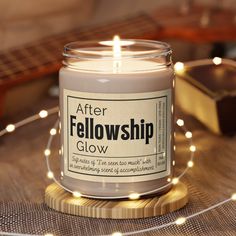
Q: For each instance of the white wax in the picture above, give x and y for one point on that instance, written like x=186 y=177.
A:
x=125 y=81
x=129 y=66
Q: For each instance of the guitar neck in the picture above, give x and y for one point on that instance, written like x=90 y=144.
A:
x=44 y=57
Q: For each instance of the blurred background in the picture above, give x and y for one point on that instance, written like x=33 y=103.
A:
x=31 y=31
x=24 y=21
x=32 y=36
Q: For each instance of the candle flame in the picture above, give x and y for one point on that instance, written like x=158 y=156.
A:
x=116 y=54
x=116 y=47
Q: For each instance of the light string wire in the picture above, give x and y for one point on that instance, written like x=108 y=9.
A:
x=179 y=221
x=133 y=195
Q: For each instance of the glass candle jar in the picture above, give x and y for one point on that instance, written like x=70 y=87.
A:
x=116 y=112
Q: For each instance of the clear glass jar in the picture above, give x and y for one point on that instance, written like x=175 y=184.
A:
x=116 y=111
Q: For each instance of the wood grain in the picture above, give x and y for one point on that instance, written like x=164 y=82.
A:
x=60 y=200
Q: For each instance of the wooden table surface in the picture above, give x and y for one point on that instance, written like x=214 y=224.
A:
x=23 y=170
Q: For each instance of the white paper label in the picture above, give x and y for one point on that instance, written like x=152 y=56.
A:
x=117 y=137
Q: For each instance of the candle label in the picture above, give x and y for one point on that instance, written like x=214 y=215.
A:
x=110 y=136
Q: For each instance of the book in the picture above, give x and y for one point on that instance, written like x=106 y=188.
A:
x=208 y=92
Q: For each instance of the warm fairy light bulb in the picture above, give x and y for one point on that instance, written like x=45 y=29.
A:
x=180 y=122
x=117 y=234
x=192 y=148
x=174 y=147
x=134 y=196
x=47 y=152
x=217 y=60
x=169 y=180
x=233 y=197
x=48 y=234
x=180 y=221
x=179 y=66
x=173 y=163
x=188 y=134
x=43 y=114
x=53 y=131
x=190 y=164
x=50 y=174
x=10 y=128
x=175 y=181
x=77 y=194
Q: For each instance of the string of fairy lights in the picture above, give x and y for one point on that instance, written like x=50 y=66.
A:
x=133 y=195
x=179 y=67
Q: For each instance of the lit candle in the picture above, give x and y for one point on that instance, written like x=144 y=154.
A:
x=116 y=110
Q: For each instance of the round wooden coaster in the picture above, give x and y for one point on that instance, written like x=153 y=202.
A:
x=60 y=200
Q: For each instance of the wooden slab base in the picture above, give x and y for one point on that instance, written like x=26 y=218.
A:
x=60 y=200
